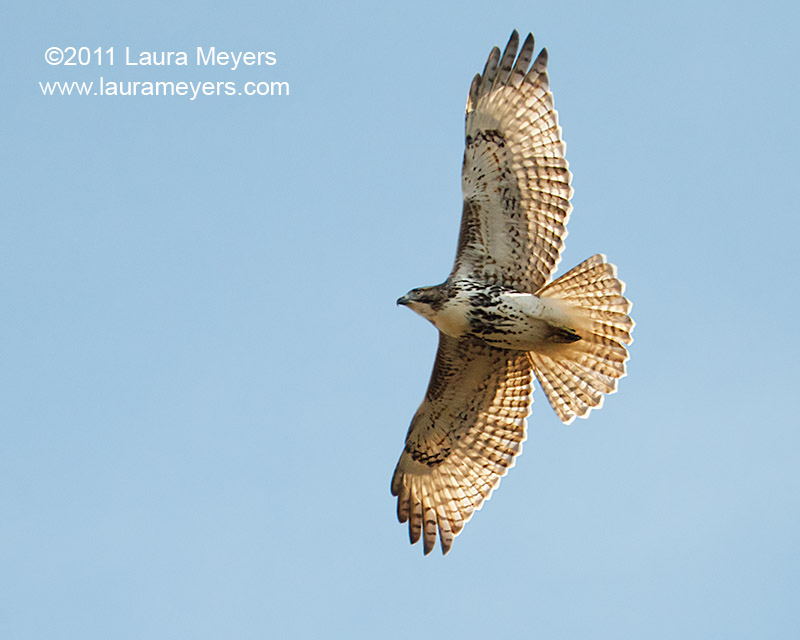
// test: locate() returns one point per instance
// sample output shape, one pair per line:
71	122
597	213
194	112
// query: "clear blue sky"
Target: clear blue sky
206	383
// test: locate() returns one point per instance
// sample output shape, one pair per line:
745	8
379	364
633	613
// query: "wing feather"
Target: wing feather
524	59
489	71
515	179
463	439
507	61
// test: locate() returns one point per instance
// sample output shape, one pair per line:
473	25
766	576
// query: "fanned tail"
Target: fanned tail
576	377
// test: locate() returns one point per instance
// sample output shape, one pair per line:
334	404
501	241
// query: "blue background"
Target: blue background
206	383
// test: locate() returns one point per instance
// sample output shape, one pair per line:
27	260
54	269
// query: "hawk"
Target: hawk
500	318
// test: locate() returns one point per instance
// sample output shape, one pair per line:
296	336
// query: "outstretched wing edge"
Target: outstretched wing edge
515	178
463	438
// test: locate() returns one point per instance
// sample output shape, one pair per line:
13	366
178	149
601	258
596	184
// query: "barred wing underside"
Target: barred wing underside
515	180
463	438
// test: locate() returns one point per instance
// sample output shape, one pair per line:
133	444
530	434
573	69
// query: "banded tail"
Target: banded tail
576	377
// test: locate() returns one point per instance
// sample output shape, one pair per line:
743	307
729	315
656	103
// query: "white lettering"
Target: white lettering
156	58
233	59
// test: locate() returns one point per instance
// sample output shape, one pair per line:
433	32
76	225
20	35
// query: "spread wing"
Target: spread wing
463	438
515	180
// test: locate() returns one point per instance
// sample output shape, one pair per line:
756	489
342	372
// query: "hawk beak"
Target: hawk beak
402	301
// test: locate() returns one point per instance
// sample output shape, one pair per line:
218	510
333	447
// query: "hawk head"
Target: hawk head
426	301
442	305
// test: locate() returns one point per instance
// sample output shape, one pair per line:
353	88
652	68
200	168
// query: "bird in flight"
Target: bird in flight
500	318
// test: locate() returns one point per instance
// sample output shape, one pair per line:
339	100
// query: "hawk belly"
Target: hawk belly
509	320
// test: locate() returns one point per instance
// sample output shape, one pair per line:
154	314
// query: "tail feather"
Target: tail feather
576	377
598	358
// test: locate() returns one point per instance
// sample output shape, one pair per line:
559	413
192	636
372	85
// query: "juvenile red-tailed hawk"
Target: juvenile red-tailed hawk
499	320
